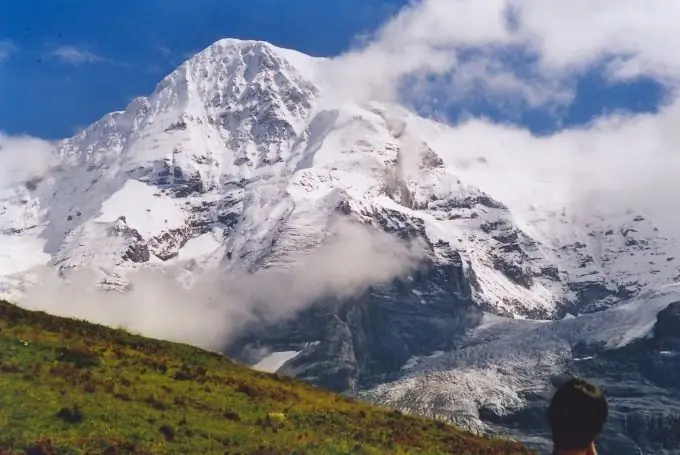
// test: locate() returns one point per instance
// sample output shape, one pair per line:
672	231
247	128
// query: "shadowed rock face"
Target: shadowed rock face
667	329
642	384
365	341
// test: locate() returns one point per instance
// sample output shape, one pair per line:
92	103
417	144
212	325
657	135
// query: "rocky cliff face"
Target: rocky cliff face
237	163
365	341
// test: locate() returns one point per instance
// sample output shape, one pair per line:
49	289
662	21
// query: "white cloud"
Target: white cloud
516	54
531	53
7	48
75	56
618	164
217	306
441	23
421	39
22	158
559	39
163	50
574	34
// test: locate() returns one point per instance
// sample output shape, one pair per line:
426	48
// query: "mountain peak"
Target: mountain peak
231	61
239	133
247	95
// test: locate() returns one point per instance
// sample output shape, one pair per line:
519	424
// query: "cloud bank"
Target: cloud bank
217	306
519	54
23	158
532	50
75	56
618	165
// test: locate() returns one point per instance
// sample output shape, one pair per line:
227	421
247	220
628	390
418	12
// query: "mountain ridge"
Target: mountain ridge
281	134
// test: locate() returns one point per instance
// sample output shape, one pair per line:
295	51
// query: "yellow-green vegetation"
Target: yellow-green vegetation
71	387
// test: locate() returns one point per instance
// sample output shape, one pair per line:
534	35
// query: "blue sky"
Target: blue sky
65	63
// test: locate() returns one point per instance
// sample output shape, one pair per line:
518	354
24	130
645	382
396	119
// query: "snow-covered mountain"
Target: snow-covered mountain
239	144
241	159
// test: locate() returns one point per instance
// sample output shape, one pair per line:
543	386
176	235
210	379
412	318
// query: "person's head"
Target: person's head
577	415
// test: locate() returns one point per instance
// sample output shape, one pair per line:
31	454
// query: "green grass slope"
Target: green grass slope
71	387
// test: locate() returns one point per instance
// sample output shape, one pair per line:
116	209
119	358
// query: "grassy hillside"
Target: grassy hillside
70	387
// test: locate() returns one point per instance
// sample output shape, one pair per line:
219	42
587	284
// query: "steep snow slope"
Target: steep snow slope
170	168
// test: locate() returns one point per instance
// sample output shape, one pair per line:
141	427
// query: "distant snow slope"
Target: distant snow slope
273	362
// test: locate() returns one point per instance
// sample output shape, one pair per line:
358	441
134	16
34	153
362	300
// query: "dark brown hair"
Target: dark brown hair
577	414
